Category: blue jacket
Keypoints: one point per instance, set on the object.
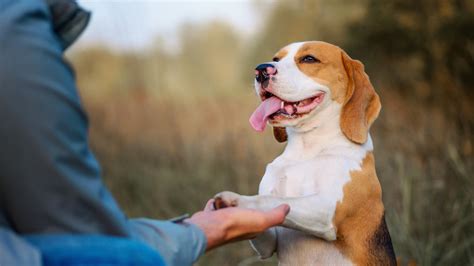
(50, 181)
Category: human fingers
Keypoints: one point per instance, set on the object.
(247, 223)
(276, 216)
(251, 221)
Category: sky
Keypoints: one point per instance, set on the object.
(134, 24)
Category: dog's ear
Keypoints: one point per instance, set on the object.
(280, 134)
(361, 104)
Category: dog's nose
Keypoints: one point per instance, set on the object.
(263, 72)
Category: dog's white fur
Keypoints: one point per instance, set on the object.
(309, 175)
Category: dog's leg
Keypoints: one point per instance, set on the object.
(265, 243)
(311, 214)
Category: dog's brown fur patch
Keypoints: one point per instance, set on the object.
(361, 104)
(329, 71)
(362, 235)
(280, 54)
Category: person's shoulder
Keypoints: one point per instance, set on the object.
(14, 14)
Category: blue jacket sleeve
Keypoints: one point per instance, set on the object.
(49, 179)
(178, 243)
(17, 251)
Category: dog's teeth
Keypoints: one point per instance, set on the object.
(282, 105)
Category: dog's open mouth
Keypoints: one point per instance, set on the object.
(275, 108)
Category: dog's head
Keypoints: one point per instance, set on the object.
(305, 79)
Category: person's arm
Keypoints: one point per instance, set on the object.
(49, 179)
(206, 230)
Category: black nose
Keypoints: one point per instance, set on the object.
(262, 72)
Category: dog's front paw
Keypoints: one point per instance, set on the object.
(226, 199)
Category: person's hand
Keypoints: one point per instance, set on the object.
(234, 223)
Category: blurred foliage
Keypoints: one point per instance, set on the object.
(170, 127)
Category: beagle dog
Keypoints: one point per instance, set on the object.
(322, 102)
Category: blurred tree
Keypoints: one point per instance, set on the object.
(206, 59)
(156, 66)
(101, 72)
(431, 41)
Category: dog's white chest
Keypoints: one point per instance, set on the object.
(280, 179)
(325, 173)
(321, 178)
(320, 174)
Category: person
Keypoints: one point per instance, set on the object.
(50, 184)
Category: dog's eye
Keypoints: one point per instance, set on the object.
(309, 59)
(275, 59)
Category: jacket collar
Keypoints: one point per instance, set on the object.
(69, 20)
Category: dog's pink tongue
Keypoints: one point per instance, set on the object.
(259, 118)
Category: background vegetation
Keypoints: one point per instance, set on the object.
(170, 128)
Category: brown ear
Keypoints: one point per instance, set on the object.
(280, 134)
(361, 105)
